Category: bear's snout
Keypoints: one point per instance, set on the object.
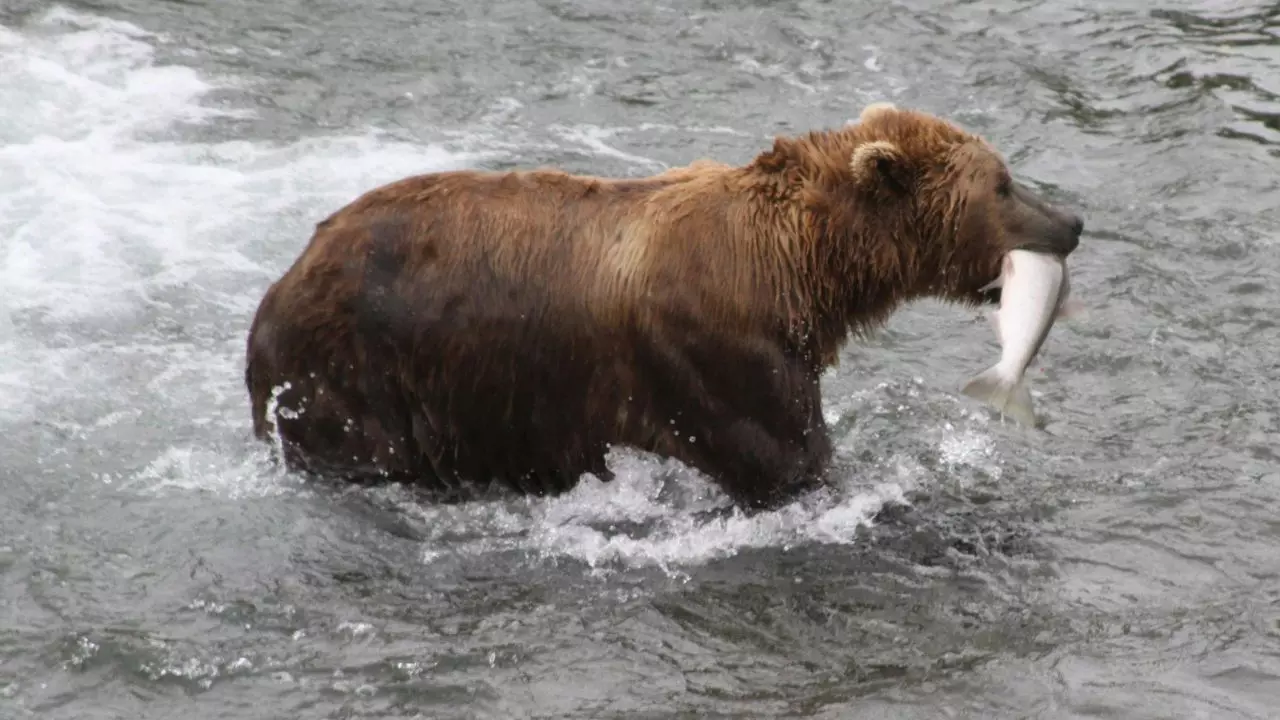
(1035, 224)
(1075, 223)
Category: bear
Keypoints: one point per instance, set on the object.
(471, 329)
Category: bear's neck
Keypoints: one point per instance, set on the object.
(854, 293)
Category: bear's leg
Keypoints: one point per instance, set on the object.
(767, 460)
(324, 426)
(744, 413)
(331, 411)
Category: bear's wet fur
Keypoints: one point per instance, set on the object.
(460, 328)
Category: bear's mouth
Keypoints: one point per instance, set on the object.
(990, 297)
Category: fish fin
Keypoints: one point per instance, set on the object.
(1071, 308)
(997, 283)
(1007, 394)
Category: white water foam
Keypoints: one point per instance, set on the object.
(95, 220)
(661, 514)
(682, 537)
(107, 232)
(654, 513)
(129, 268)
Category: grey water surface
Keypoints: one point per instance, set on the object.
(161, 162)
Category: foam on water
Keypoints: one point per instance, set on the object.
(77, 154)
(131, 261)
(107, 232)
(658, 513)
(684, 535)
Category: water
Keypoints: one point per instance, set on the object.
(162, 162)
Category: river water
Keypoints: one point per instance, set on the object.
(161, 162)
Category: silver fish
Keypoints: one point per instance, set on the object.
(1034, 291)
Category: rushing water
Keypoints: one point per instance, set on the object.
(162, 161)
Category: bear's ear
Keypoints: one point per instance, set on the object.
(881, 162)
(876, 108)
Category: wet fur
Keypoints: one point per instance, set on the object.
(456, 328)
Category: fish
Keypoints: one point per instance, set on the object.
(1035, 291)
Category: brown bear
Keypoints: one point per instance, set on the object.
(460, 328)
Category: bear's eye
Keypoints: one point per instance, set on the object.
(1005, 188)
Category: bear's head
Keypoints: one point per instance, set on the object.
(955, 207)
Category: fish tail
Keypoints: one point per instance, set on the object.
(1006, 392)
